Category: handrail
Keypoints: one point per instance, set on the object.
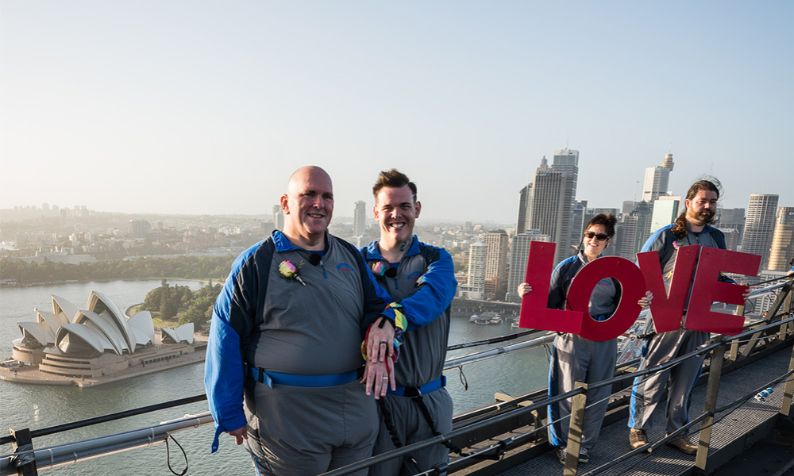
(492, 340)
(90, 448)
(61, 454)
(446, 437)
(109, 417)
(487, 354)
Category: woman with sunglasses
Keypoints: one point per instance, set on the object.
(574, 358)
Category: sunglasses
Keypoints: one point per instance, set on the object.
(597, 236)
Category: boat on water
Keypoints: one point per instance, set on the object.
(486, 318)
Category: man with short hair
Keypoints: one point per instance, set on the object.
(692, 227)
(285, 342)
(420, 281)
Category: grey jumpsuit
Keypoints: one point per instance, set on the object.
(576, 359)
(678, 381)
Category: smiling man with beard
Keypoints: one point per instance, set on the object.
(692, 227)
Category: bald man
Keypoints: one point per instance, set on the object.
(285, 342)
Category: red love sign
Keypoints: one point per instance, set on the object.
(667, 307)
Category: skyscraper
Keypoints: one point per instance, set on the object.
(496, 243)
(759, 225)
(657, 179)
(519, 254)
(578, 219)
(278, 217)
(782, 249)
(359, 218)
(665, 211)
(546, 204)
(476, 275)
(731, 222)
(524, 209)
(626, 236)
(566, 161)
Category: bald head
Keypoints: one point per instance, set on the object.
(308, 206)
(305, 173)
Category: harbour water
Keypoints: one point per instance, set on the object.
(36, 406)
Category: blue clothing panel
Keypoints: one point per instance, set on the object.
(436, 290)
(223, 368)
(235, 329)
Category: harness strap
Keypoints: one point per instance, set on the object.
(409, 461)
(430, 386)
(270, 378)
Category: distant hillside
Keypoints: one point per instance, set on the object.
(22, 273)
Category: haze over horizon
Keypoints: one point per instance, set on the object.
(204, 108)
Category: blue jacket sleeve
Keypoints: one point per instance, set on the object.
(435, 293)
(375, 297)
(232, 320)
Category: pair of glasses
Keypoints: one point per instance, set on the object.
(597, 236)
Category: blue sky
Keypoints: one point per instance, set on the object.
(206, 107)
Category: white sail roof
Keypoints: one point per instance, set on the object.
(142, 327)
(63, 310)
(39, 331)
(99, 303)
(106, 326)
(77, 338)
(49, 319)
(183, 333)
(102, 327)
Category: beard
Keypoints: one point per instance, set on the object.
(704, 217)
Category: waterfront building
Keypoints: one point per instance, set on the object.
(496, 243)
(782, 249)
(519, 255)
(759, 225)
(475, 285)
(93, 345)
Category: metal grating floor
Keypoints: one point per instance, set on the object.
(731, 427)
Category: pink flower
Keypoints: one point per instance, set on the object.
(288, 270)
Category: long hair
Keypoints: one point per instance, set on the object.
(679, 225)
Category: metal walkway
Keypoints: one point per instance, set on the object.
(734, 431)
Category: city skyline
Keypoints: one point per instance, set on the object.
(178, 109)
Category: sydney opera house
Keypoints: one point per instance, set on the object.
(95, 345)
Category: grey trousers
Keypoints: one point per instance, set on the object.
(411, 427)
(679, 381)
(301, 430)
(576, 359)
